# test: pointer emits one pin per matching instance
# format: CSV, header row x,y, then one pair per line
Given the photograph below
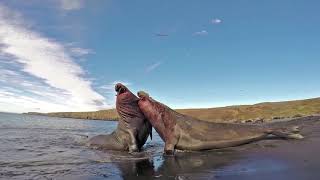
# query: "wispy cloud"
x,y
76,51
216,21
71,4
44,68
201,33
162,34
153,67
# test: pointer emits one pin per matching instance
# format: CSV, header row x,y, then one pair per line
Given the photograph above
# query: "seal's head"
x,y
120,88
153,111
143,95
145,103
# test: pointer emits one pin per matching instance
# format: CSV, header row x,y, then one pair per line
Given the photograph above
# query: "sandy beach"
x,y
267,159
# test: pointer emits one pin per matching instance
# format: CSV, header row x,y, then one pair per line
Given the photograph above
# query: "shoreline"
x,y
261,112
270,121
44,115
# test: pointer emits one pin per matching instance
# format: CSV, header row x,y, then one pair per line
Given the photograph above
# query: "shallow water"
x,y
38,147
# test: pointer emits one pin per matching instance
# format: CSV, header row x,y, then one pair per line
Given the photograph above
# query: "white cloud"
x,y
71,4
153,66
16,102
44,68
216,21
201,33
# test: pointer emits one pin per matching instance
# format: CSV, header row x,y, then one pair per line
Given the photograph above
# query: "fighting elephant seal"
x,y
133,128
183,132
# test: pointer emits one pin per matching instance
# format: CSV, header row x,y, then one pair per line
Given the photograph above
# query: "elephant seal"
x,y
133,128
183,132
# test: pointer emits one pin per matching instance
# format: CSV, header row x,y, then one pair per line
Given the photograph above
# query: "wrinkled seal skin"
x,y
187,133
133,128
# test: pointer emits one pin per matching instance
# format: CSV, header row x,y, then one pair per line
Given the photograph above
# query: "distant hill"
x,y
262,111
109,114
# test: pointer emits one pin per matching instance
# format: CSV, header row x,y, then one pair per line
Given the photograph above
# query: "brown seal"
x,y
133,128
183,132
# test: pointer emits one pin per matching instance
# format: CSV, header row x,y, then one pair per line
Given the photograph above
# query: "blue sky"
x,y
65,55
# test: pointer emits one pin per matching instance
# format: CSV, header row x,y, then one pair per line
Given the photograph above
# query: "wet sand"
x,y
267,159
278,159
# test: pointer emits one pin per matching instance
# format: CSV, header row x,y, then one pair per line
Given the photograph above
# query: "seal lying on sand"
x,y
187,133
133,128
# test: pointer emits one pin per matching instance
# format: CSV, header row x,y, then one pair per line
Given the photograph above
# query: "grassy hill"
x,y
266,111
110,114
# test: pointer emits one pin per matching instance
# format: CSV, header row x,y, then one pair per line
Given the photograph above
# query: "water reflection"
x,y
184,165
137,169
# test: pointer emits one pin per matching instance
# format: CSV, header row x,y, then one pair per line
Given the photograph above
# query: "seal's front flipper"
x,y
151,134
149,128
168,149
286,135
295,136
169,153
133,148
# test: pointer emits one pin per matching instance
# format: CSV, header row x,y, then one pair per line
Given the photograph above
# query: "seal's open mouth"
x,y
120,88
